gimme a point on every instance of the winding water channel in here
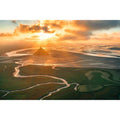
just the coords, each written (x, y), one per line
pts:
(63, 81)
(17, 75)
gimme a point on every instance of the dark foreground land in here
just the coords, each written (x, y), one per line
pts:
(84, 83)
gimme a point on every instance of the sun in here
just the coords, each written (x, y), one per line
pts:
(44, 36)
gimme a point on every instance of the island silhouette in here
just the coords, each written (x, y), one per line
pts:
(41, 52)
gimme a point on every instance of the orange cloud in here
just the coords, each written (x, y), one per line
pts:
(79, 32)
(115, 36)
(67, 30)
(55, 24)
(6, 34)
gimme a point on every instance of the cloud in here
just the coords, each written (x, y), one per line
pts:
(46, 29)
(6, 34)
(83, 29)
(97, 24)
(14, 22)
(114, 36)
(68, 37)
(76, 35)
(67, 30)
(79, 32)
(23, 28)
(73, 34)
(55, 24)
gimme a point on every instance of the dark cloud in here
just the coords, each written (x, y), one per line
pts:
(34, 28)
(14, 22)
(97, 24)
(84, 28)
(46, 29)
(22, 28)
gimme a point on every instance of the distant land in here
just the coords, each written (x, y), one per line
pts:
(41, 52)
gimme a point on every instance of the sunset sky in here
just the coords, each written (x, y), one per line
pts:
(60, 30)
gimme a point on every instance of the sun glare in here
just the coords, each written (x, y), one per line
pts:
(44, 36)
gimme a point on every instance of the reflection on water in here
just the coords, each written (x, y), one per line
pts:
(101, 50)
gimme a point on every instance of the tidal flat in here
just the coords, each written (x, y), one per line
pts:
(61, 83)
